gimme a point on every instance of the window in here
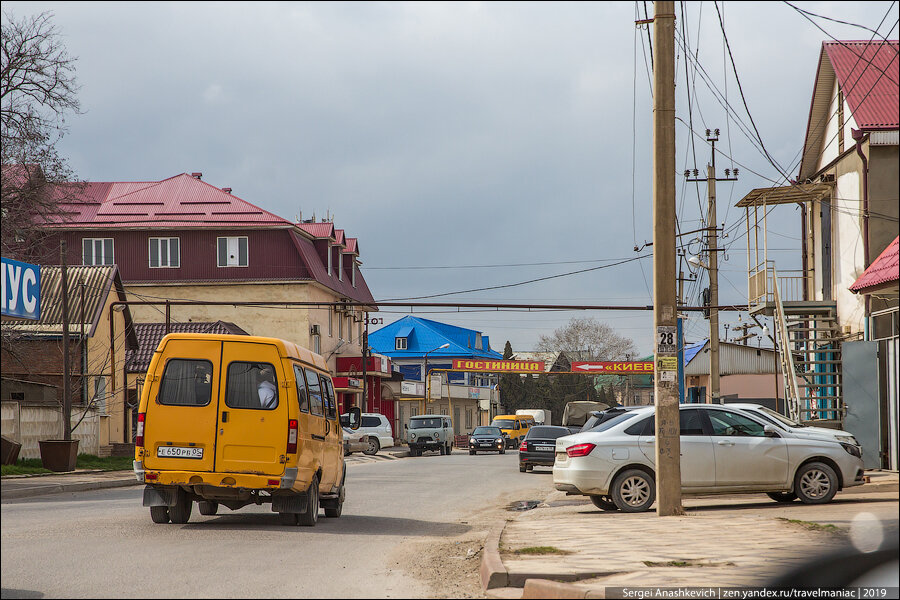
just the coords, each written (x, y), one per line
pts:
(340, 326)
(316, 406)
(233, 251)
(330, 321)
(251, 385)
(328, 396)
(370, 422)
(353, 272)
(644, 427)
(340, 265)
(726, 423)
(164, 253)
(97, 251)
(317, 344)
(329, 258)
(186, 383)
(302, 396)
(691, 422)
(400, 343)
(99, 399)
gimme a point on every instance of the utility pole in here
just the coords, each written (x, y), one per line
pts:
(712, 248)
(668, 444)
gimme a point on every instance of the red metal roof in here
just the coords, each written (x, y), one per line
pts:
(318, 230)
(180, 201)
(883, 271)
(869, 76)
(339, 236)
(352, 246)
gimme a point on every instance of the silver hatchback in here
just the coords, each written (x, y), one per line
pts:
(724, 451)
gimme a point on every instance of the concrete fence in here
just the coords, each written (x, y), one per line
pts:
(30, 423)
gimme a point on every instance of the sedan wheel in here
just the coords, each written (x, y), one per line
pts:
(815, 483)
(604, 503)
(782, 496)
(634, 491)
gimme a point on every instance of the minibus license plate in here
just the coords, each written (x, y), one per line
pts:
(178, 452)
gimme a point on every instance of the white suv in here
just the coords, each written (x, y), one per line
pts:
(376, 428)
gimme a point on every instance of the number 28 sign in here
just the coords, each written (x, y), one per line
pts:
(666, 340)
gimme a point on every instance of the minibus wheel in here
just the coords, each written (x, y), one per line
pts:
(180, 512)
(159, 514)
(309, 518)
(208, 508)
(334, 511)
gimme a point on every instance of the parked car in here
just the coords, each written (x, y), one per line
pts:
(539, 446)
(429, 432)
(596, 417)
(491, 439)
(802, 430)
(723, 450)
(377, 429)
(354, 441)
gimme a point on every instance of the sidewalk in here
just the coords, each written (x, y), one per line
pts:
(732, 541)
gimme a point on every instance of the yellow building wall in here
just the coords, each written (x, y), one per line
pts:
(289, 323)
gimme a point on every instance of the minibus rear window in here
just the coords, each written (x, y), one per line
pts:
(302, 397)
(251, 385)
(186, 383)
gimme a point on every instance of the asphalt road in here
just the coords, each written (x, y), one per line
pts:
(103, 544)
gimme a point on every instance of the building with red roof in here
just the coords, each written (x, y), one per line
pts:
(182, 238)
(847, 189)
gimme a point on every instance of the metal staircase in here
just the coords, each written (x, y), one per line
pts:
(810, 343)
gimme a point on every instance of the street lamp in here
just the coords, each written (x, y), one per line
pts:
(427, 382)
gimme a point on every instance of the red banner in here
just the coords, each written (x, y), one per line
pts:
(498, 366)
(616, 368)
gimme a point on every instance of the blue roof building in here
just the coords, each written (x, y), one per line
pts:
(468, 396)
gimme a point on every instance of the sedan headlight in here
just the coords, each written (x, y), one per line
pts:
(499, 440)
(852, 449)
(847, 439)
(472, 440)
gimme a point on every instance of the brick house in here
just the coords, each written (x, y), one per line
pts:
(32, 353)
(184, 239)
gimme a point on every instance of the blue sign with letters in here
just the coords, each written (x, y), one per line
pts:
(21, 290)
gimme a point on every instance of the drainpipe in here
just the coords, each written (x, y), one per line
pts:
(858, 137)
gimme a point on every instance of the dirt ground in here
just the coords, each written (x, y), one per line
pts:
(450, 565)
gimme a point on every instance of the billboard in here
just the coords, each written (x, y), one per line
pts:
(498, 366)
(21, 284)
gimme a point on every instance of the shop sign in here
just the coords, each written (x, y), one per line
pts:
(498, 366)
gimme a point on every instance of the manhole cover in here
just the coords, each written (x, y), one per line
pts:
(523, 505)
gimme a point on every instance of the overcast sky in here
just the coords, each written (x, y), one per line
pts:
(457, 137)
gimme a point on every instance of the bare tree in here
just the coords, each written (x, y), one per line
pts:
(37, 91)
(588, 337)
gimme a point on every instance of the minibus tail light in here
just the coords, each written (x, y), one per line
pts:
(292, 436)
(580, 449)
(139, 435)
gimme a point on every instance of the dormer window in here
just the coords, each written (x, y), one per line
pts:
(340, 265)
(400, 343)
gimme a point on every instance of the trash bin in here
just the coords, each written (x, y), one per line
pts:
(9, 452)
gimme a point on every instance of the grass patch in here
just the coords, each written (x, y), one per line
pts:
(538, 550)
(31, 466)
(813, 526)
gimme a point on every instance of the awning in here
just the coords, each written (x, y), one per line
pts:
(789, 194)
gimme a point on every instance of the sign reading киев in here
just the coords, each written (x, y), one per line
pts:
(617, 367)
(21, 284)
(498, 366)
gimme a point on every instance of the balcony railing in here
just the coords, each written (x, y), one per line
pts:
(761, 285)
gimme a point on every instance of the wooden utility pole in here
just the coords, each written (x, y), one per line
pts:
(67, 381)
(712, 246)
(668, 444)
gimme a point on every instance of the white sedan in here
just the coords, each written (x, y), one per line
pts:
(723, 451)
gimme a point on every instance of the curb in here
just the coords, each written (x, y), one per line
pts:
(493, 572)
(62, 488)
